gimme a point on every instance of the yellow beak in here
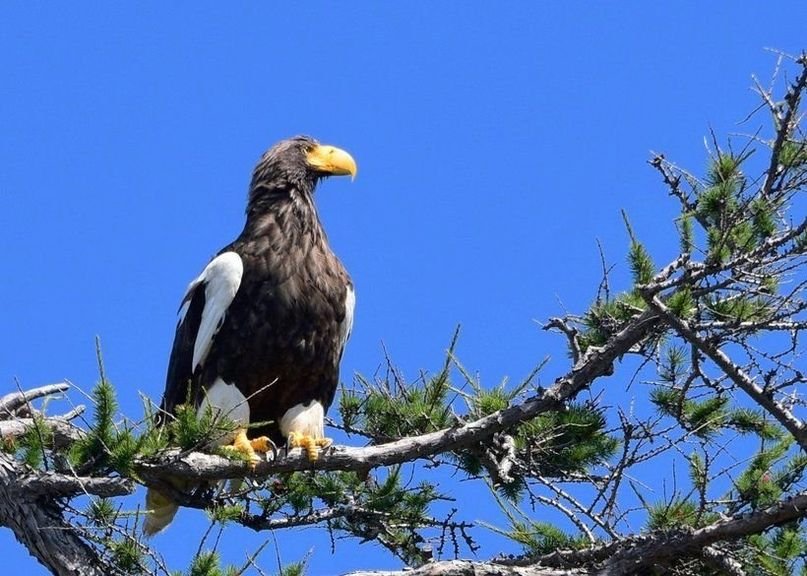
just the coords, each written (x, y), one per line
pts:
(331, 160)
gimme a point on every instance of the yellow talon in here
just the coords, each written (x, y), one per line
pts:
(310, 444)
(263, 444)
(250, 448)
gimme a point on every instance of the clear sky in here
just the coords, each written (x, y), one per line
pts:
(495, 142)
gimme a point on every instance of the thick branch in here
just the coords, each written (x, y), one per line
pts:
(34, 485)
(632, 555)
(722, 561)
(664, 548)
(596, 362)
(39, 525)
(468, 568)
(64, 433)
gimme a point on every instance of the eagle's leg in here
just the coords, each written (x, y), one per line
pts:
(310, 444)
(251, 448)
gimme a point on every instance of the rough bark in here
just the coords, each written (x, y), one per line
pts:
(468, 568)
(622, 557)
(661, 548)
(64, 433)
(38, 524)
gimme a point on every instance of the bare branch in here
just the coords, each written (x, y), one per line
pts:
(571, 335)
(11, 402)
(786, 123)
(53, 485)
(468, 568)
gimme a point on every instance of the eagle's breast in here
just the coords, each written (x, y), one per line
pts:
(283, 335)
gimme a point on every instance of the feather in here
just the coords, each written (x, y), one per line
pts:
(221, 279)
(346, 328)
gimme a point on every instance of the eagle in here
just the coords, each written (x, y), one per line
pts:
(262, 328)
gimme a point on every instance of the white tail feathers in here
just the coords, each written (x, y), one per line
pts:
(160, 510)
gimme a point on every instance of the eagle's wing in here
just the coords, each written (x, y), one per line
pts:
(201, 315)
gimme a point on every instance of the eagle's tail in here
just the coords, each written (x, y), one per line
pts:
(160, 510)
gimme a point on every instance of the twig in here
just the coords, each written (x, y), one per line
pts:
(738, 376)
(786, 124)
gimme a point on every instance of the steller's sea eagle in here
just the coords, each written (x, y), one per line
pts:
(262, 329)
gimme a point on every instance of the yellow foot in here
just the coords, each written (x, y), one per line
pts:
(251, 448)
(308, 443)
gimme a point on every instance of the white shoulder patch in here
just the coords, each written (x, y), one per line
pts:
(220, 279)
(347, 323)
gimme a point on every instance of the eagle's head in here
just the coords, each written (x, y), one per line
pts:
(295, 165)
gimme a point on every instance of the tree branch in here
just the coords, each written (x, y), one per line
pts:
(623, 557)
(597, 361)
(64, 432)
(738, 376)
(661, 549)
(697, 271)
(787, 122)
(468, 568)
(11, 402)
(721, 560)
(38, 524)
(53, 485)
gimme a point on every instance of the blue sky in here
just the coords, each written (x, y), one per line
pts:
(495, 146)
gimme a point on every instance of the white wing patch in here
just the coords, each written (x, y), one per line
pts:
(347, 323)
(221, 279)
